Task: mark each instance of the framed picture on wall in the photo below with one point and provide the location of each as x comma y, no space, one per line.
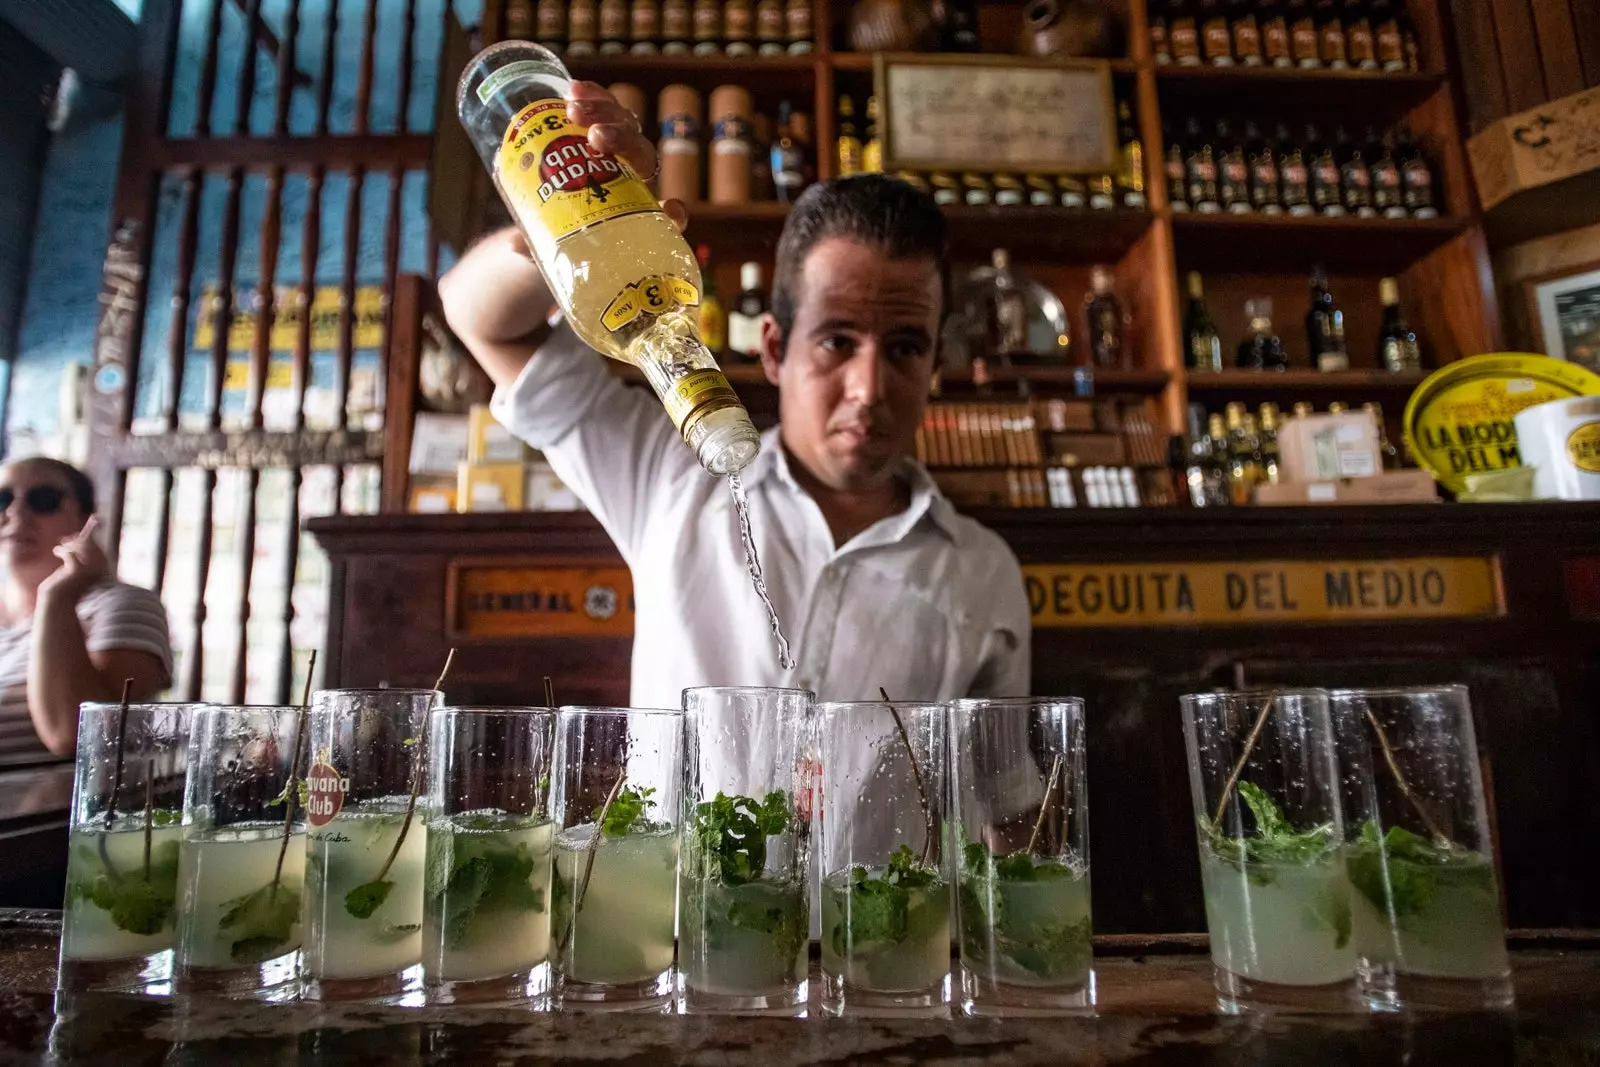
1565,311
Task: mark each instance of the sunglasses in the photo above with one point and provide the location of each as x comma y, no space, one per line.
41,499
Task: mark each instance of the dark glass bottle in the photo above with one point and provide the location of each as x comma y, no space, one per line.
1261,348
1330,34
1174,168
788,160
1160,38
1103,318
1388,40
1355,176
1262,159
1388,199
1325,194
960,32
1200,167
1216,43
1183,32
1294,175
1358,39
1246,32
1233,174
1204,344
1398,351
1416,179
1325,328
1130,160
1275,50
1304,44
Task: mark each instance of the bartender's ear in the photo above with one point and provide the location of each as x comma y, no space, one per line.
772,343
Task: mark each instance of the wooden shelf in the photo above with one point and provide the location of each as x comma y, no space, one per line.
1285,244
1368,383
1058,378
1057,235
1360,95
865,61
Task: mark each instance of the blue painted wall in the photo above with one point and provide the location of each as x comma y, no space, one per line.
60,311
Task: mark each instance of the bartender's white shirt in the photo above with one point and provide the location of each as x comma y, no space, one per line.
928,604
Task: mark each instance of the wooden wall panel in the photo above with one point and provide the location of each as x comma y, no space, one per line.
1558,47
1517,54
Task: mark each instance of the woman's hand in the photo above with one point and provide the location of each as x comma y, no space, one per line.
83,566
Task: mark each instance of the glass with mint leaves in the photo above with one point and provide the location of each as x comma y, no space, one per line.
119,917
1278,900
1020,808
242,857
486,900
885,873
614,887
744,890
1428,924
365,844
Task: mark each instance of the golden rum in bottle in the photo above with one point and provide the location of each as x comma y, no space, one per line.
625,277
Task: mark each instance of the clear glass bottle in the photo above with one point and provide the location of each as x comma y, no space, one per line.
626,279
1261,349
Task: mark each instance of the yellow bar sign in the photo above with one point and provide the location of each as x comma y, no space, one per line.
1280,591
367,328
510,601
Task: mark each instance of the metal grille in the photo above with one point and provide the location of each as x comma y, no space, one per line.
269,194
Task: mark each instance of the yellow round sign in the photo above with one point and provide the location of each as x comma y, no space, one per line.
1459,420
1583,447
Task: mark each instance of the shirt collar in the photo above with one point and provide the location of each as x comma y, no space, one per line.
926,499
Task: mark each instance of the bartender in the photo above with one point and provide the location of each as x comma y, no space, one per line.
875,577
69,633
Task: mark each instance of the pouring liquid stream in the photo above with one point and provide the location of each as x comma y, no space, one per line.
753,565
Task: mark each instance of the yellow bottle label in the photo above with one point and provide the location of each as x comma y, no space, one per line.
648,296
554,181
703,391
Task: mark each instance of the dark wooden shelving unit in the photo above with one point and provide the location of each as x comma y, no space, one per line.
1289,244
1374,384
1278,90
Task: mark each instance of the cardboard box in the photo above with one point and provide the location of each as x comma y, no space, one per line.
490,487
1320,448
1546,144
431,498
488,441
1390,487
438,444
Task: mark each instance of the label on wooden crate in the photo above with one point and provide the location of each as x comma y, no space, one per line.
1068,595
1546,144
511,601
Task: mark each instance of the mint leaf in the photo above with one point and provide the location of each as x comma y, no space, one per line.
878,910
1417,869
140,902
1051,951
626,810
1275,840
729,834
367,898
262,923
904,870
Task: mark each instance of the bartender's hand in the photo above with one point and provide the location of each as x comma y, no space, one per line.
495,298
83,565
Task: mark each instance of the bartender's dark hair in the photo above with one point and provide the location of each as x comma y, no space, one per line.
873,209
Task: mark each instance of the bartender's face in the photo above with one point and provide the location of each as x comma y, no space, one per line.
40,512
853,372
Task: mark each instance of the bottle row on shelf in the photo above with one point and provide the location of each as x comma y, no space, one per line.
1306,34
749,157
1262,349
667,27
1230,454
1229,167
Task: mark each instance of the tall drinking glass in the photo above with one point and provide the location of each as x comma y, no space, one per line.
745,917
242,860
1021,811
885,873
119,921
1266,797
365,844
486,906
614,885
1427,903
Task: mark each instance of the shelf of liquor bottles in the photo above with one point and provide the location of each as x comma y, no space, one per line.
1000,380
1282,243
1373,384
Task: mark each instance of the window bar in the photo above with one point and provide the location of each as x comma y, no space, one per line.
286,70
208,71
369,44
177,352
247,68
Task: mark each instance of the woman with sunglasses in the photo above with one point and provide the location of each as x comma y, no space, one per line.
68,631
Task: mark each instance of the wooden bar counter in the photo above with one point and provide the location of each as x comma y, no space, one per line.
1155,1007
1131,609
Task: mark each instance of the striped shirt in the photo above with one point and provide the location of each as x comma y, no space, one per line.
114,616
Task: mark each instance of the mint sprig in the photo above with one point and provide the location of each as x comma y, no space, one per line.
729,834
1275,840
625,813
1417,869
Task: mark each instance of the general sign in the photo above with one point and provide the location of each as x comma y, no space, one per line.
1262,591
509,601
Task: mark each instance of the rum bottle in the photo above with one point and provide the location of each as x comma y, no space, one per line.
1104,318
1295,175
1184,32
1325,194
1355,177
1216,43
1261,349
1325,328
1263,163
1160,42
1200,170
1416,180
1246,32
1204,345
1387,198
628,283
1130,159
1330,34
1305,45
1233,174
1398,351
1176,173
1275,48
849,150
1359,41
